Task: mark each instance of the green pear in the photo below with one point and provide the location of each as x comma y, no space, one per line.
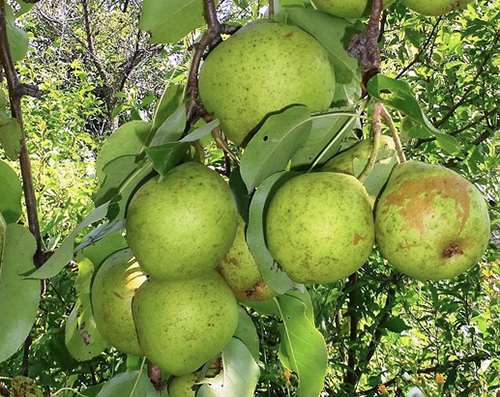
183,323
182,386
182,225
263,68
431,223
435,7
320,227
349,8
354,159
240,271
113,288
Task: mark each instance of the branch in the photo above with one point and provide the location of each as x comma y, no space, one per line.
15,93
365,45
394,133
351,378
4,391
376,130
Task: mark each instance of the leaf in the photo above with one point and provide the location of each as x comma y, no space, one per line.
168,155
10,193
24,8
18,40
170,101
101,231
274,277
128,140
239,376
334,34
3,233
399,95
327,132
19,298
240,193
302,348
275,143
172,128
103,248
123,384
247,333
396,324
64,254
10,137
168,21
82,338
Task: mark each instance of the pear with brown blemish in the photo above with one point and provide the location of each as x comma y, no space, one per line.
113,288
320,227
431,223
241,272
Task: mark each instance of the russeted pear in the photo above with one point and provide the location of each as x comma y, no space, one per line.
113,288
240,271
263,68
431,223
434,7
181,225
183,323
320,227
347,9
182,386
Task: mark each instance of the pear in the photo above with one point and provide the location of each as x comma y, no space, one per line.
320,227
347,9
182,386
431,223
263,68
182,225
240,271
113,288
434,7
183,323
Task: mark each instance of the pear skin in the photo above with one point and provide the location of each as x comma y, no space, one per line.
431,223
320,227
240,271
182,386
182,225
435,7
347,9
113,288
183,323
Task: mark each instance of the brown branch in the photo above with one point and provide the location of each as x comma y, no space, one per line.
422,49
26,356
4,391
365,45
15,106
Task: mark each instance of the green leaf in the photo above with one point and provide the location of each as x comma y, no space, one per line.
18,40
275,143
240,193
247,333
302,348
3,233
24,8
170,101
171,129
274,277
82,338
239,376
19,298
104,247
169,21
123,384
399,95
128,140
327,132
396,324
10,193
64,254
10,137
334,34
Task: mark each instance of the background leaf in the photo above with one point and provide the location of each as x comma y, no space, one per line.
302,349
123,384
10,137
271,148
247,333
19,297
10,193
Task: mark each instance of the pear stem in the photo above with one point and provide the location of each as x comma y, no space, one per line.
395,134
271,10
377,131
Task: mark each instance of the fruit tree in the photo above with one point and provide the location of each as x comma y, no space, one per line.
243,198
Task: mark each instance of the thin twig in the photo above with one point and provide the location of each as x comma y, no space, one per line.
395,134
351,377
377,131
